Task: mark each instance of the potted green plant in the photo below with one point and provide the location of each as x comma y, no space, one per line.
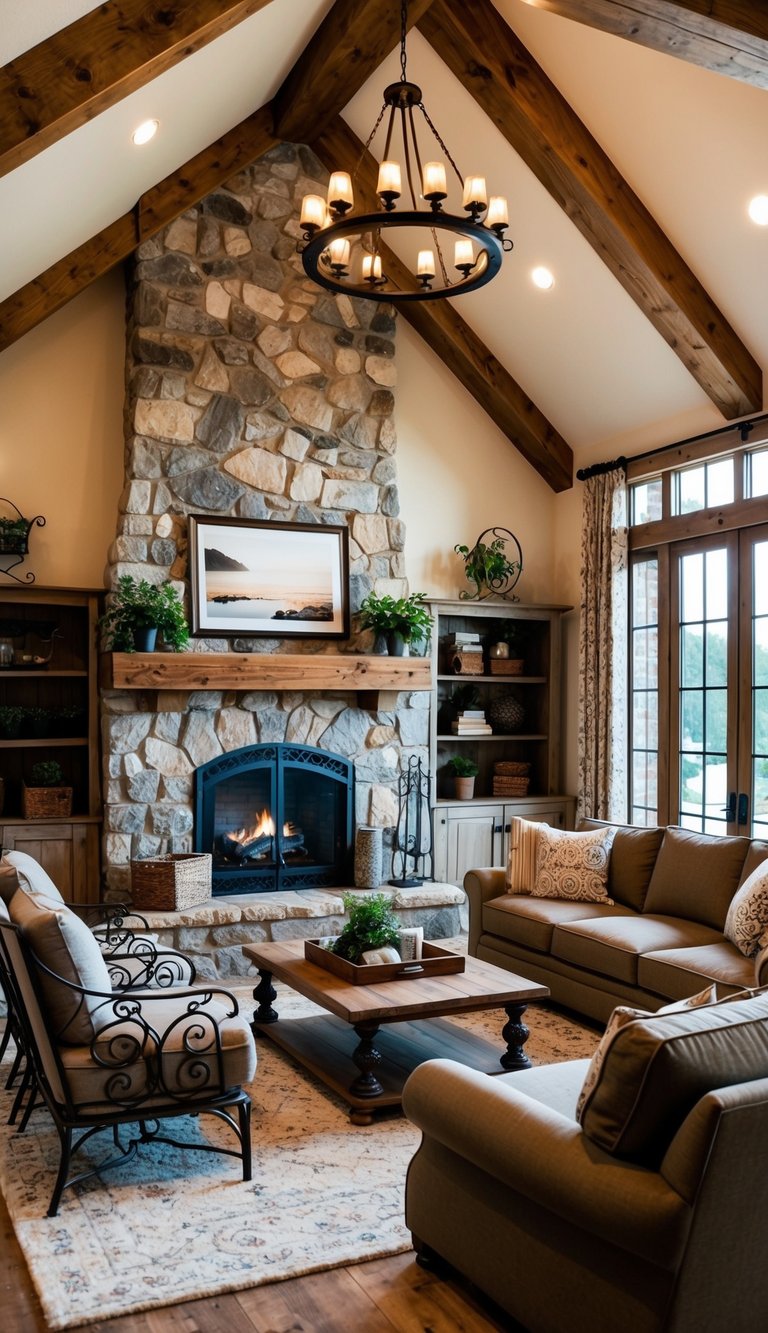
488,566
372,924
138,611
13,535
11,718
464,772
38,721
45,796
397,622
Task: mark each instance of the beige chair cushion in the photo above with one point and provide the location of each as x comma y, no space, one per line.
531,921
657,1069
521,862
89,1081
695,876
32,878
64,944
746,924
633,857
573,866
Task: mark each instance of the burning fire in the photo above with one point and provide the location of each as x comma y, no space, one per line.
263,828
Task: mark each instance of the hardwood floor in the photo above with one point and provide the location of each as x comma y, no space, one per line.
376,1297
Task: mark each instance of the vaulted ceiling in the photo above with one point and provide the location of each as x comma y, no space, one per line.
628,174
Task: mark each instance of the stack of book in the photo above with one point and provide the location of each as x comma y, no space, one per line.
471,722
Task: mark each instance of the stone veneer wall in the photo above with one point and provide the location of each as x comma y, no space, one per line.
250,392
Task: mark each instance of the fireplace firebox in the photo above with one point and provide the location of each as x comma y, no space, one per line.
275,817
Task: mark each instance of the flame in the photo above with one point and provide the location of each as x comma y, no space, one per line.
264,827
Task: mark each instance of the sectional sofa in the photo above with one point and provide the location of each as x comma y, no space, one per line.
661,939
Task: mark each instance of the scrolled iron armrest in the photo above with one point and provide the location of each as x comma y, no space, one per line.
110,922
143,964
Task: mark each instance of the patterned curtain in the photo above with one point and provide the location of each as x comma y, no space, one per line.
603,649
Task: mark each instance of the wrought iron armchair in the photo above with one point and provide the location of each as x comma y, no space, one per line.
152,1055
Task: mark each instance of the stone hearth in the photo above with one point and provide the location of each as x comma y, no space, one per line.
213,934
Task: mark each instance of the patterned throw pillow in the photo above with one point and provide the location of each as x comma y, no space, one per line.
573,865
521,862
622,1015
746,924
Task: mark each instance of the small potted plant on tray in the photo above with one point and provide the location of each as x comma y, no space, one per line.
464,772
397,622
139,611
372,928
45,796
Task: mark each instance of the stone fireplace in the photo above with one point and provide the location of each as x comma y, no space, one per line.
251,393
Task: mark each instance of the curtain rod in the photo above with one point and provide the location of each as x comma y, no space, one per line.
599,469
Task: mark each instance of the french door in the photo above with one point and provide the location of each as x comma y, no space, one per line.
700,684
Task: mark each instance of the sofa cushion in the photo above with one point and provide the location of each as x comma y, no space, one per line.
9,880
633,857
32,878
523,847
676,972
573,865
757,854
695,876
531,921
613,945
64,944
658,1068
746,923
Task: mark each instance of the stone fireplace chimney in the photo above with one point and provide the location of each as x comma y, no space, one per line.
253,393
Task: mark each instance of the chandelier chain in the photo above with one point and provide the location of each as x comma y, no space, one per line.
403,32
440,140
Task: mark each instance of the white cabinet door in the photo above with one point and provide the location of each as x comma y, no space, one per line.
465,839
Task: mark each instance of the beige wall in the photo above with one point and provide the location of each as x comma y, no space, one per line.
458,475
61,434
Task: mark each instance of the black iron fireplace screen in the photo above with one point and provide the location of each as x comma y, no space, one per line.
275,817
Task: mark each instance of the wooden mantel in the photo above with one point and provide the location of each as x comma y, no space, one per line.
368,675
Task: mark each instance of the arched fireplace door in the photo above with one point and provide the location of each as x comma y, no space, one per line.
276,817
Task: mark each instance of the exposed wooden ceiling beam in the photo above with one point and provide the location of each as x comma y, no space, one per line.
350,44
455,343
726,36
482,51
192,182
86,67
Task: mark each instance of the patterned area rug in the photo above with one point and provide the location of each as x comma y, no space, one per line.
172,1226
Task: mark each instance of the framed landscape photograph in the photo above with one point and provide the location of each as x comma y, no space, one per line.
281,579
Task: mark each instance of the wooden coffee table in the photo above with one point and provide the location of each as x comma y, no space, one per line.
386,1030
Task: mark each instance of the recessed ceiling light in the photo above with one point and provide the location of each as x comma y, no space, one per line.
758,210
541,277
146,131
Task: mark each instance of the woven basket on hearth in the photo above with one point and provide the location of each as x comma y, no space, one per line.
171,883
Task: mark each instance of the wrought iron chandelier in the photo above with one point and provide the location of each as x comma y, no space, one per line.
342,249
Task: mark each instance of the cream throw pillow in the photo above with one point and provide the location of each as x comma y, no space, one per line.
746,924
573,865
521,862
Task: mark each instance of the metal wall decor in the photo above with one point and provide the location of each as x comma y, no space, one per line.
494,565
14,539
414,837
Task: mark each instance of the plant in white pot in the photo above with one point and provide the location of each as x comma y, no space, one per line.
464,772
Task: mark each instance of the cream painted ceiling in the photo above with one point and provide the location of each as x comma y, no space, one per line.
690,143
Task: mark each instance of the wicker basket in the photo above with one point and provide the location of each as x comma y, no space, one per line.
46,802
511,786
507,666
171,883
510,768
467,663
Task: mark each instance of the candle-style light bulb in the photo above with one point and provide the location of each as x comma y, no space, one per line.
371,267
498,213
463,255
339,252
426,265
389,186
312,212
475,194
340,196
433,180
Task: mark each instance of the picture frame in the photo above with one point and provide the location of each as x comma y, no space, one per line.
250,577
